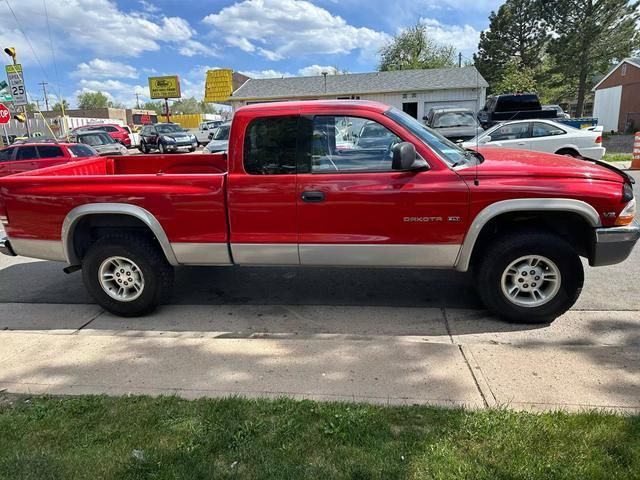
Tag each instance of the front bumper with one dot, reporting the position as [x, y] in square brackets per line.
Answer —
[613, 245]
[5, 247]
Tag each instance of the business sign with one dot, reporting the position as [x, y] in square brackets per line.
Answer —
[16, 84]
[5, 114]
[164, 87]
[219, 85]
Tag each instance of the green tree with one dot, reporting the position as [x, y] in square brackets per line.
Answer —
[415, 49]
[590, 35]
[155, 106]
[516, 78]
[186, 106]
[91, 100]
[58, 106]
[516, 31]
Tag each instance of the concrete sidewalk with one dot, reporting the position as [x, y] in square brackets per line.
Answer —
[448, 357]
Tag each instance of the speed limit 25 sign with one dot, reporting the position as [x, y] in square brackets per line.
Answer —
[16, 84]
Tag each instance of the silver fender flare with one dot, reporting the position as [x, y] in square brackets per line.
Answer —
[72, 218]
[521, 205]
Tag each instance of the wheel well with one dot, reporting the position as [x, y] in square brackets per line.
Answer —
[90, 228]
[572, 227]
[567, 151]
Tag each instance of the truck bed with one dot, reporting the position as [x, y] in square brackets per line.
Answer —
[185, 193]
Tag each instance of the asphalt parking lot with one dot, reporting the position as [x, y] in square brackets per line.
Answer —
[412, 336]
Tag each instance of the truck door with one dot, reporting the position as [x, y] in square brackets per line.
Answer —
[262, 190]
[354, 209]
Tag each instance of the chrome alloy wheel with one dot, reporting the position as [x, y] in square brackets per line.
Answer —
[531, 281]
[121, 279]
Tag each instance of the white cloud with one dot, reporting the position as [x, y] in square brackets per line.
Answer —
[148, 7]
[99, 68]
[278, 29]
[95, 25]
[315, 70]
[464, 38]
[266, 74]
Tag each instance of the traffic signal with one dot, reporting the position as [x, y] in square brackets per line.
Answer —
[11, 51]
[21, 117]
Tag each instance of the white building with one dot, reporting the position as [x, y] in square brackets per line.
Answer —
[414, 91]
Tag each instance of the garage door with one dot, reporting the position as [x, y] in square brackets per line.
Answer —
[470, 104]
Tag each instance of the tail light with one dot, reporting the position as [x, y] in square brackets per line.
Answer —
[599, 139]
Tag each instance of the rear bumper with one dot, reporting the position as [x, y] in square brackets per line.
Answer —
[593, 153]
[5, 247]
[613, 245]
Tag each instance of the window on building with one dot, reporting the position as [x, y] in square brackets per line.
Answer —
[270, 146]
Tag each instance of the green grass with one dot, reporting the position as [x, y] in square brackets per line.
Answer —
[618, 157]
[96, 437]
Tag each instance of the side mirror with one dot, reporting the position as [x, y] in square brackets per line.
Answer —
[405, 158]
[485, 139]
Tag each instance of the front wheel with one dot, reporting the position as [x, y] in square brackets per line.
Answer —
[161, 148]
[127, 274]
[530, 277]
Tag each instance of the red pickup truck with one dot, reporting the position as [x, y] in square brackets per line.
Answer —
[303, 185]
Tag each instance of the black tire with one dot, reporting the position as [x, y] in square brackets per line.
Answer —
[161, 148]
[148, 257]
[144, 148]
[192, 149]
[497, 257]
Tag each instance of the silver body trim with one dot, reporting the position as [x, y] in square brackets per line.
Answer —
[44, 249]
[378, 255]
[202, 253]
[518, 205]
[140, 213]
[627, 233]
[265, 253]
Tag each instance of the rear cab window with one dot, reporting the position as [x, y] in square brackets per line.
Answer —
[26, 152]
[270, 146]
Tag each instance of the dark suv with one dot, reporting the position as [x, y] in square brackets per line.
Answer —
[166, 137]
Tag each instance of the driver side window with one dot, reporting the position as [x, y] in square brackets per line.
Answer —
[350, 144]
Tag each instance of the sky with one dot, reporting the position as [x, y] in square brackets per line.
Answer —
[113, 46]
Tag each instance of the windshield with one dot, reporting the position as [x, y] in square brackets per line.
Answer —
[455, 119]
[96, 139]
[222, 133]
[448, 151]
[168, 128]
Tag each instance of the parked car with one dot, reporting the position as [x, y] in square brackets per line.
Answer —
[560, 113]
[519, 220]
[505, 108]
[455, 123]
[166, 137]
[100, 141]
[31, 156]
[374, 136]
[219, 139]
[543, 136]
[206, 130]
[121, 134]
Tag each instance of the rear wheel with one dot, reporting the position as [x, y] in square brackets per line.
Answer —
[530, 277]
[568, 152]
[127, 274]
[192, 149]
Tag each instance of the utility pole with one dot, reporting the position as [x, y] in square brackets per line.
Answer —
[324, 74]
[138, 101]
[44, 90]
[460, 60]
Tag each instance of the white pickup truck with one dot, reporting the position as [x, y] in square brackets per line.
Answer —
[204, 131]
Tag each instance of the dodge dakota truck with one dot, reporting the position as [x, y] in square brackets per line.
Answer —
[296, 187]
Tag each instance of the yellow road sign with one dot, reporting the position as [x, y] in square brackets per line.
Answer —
[219, 85]
[164, 87]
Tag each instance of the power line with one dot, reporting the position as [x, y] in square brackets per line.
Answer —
[53, 54]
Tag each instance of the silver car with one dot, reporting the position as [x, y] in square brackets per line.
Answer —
[100, 141]
[220, 139]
